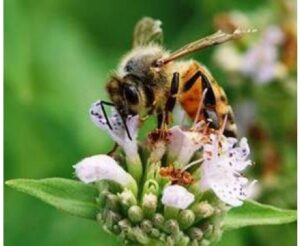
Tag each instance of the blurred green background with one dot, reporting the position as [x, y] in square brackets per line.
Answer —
[58, 55]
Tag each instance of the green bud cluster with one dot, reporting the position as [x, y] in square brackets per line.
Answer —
[144, 222]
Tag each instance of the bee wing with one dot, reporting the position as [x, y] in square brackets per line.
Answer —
[218, 37]
[147, 31]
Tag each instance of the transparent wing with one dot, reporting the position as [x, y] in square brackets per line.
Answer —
[218, 37]
[147, 31]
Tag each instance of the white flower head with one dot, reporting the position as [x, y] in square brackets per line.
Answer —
[117, 130]
[177, 196]
[223, 161]
[225, 53]
[183, 144]
[261, 61]
[102, 167]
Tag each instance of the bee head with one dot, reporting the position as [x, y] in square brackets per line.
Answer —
[125, 94]
[133, 87]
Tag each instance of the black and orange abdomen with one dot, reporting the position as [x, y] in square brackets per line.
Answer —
[193, 82]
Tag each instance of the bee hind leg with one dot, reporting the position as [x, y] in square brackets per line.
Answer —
[209, 103]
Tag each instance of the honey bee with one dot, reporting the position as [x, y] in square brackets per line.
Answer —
[150, 80]
[176, 175]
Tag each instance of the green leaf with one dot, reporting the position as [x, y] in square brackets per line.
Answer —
[70, 196]
[254, 213]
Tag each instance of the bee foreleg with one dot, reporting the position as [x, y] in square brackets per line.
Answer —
[172, 96]
[160, 119]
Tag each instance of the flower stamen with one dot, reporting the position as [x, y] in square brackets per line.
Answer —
[192, 164]
[199, 108]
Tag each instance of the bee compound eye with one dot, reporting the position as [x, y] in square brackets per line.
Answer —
[131, 94]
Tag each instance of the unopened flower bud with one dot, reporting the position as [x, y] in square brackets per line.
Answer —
[128, 234]
[158, 220]
[104, 214]
[186, 218]
[99, 218]
[127, 199]
[124, 224]
[116, 229]
[194, 243]
[171, 226]
[146, 226]
[149, 205]
[182, 240]
[203, 210]
[151, 186]
[207, 230]
[140, 236]
[112, 202]
[205, 242]
[170, 241]
[135, 214]
[195, 233]
[155, 233]
[101, 199]
[111, 219]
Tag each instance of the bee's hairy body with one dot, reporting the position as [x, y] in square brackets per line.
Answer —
[140, 87]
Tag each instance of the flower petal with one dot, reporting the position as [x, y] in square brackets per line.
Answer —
[229, 186]
[183, 144]
[223, 160]
[101, 167]
[177, 196]
[118, 131]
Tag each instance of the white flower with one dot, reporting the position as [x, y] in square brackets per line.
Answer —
[261, 61]
[102, 167]
[177, 196]
[223, 161]
[183, 144]
[118, 131]
[245, 115]
[228, 57]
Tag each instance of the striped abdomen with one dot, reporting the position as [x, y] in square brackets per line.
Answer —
[215, 105]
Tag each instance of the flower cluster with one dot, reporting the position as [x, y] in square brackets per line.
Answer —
[174, 188]
[272, 57]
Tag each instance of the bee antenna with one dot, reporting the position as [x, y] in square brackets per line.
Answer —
[126, 127]
[102, 103]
